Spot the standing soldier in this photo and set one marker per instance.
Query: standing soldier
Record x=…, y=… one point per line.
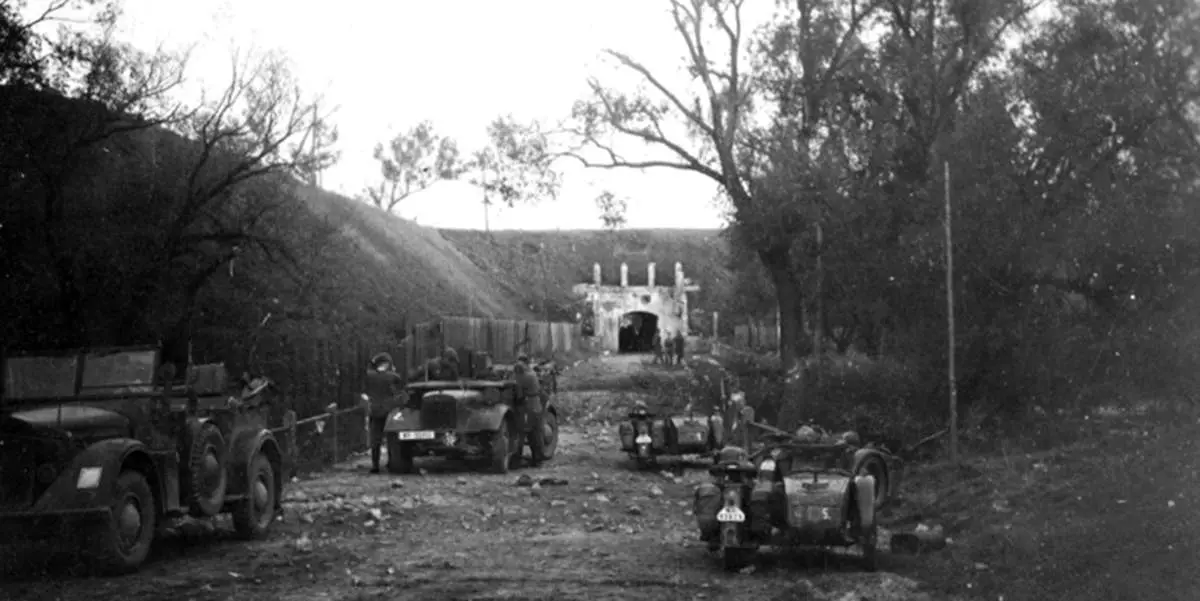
x=657, y=343
x=530, y=395
x=385, y=390
x=679, y=343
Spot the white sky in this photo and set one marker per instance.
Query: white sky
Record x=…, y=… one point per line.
x=390, y=64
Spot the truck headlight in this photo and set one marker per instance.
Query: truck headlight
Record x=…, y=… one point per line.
x=89, y=478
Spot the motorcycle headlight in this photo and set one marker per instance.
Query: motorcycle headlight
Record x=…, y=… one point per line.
x=768, y=465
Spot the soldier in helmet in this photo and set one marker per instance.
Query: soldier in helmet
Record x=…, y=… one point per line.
x=532, y=398
x=385, y=392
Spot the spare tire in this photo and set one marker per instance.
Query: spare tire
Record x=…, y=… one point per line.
x=206, y=478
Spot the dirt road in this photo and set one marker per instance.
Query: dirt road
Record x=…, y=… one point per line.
x=592, y=529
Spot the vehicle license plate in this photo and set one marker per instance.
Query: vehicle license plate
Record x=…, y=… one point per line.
x=731, y=514
x=421, y=435
x=642, y=439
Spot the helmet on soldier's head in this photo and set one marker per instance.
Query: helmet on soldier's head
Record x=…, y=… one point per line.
x=732, y=454
x=450, y=355
x=850, y=437
x=808, y=434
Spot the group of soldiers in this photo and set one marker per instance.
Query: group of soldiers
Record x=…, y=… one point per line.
x=385, y=391
x=668, y=349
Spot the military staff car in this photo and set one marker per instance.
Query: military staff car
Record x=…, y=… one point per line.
x=107, y=445
x=474, y=418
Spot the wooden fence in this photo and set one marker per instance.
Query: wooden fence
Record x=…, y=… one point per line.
x=503, y=339
x=319, y=381
x=756, y=334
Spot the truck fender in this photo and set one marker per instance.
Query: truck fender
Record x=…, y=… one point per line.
x=111, y=457
x=488, y=419
x=402, y=420
x=244, y=447
x=864, y=496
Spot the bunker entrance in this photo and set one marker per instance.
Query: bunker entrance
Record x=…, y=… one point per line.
x=637, y=332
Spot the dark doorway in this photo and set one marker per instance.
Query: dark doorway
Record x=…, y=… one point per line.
x=637, y=332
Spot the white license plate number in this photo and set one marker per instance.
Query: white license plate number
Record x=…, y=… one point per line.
x=731, y=514
x=642, y=439
x=422, y=435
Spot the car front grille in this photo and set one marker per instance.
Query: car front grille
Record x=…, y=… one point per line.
x=439, y=412
x=22, y=460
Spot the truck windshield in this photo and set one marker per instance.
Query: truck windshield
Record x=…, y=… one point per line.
x=39, y=377
x=121, y=368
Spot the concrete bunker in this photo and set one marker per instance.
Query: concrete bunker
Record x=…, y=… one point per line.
x=621, y=314
x=636, y=334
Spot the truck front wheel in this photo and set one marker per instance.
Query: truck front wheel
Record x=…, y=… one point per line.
x=123, y=543
x=252, y=516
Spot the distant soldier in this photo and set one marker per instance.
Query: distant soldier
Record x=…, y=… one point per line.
x=679, y=344
x=657, y=344
x=531, y=397
x=438, y=368
x=385, y=392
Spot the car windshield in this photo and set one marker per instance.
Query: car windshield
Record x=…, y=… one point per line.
x=120, y=368
x=39, y=377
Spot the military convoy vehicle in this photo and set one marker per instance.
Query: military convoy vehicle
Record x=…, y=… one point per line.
x=475, y=418
x=108, y=445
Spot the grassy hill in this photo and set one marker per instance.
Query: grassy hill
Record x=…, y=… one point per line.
x=352, y=272
x=526, y=263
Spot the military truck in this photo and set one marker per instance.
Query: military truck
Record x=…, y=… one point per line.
x=108, y=445
x=475, y=418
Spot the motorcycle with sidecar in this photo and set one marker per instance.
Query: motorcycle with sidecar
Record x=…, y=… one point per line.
x=645, y=436
x=793, y=492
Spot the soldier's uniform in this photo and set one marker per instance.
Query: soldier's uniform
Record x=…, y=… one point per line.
x=385, y=392
x=657, y=343
x=679, y=347
x=530, y=394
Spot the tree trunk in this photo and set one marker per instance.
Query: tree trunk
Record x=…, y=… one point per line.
x=790, y=298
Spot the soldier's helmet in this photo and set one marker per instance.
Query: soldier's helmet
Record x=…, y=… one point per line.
x=850, y=437
x=450, y=355
x=732, y=454
x=808, y=434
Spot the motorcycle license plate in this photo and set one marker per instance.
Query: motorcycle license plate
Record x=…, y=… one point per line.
x=731, y=514
x=642, y=439
x=419, y=435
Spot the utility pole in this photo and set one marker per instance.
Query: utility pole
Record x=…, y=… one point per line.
x=545, y=284
x=950, y=318
x=818, y=333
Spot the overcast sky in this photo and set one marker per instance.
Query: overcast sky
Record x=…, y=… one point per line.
x=390, y=64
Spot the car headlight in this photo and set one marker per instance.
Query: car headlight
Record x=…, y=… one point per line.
x=89, y=478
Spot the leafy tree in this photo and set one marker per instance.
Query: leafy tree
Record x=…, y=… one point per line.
x=412, y=162
x=612, y=210
x=516, y=166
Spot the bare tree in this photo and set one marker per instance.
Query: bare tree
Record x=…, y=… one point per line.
x=719, y=138
x=246, y=152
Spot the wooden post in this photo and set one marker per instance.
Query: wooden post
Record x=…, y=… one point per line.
x=950, y=319
x=289, y=441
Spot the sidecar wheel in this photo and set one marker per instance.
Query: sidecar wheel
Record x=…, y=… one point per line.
x=734, y=559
